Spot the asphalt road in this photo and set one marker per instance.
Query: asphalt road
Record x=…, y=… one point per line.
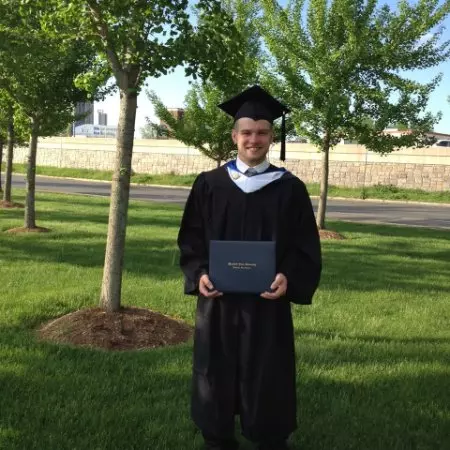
x=410, y=214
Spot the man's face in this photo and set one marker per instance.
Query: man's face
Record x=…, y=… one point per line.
x=253, y=139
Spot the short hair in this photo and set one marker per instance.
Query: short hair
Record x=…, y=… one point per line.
x=236, y=127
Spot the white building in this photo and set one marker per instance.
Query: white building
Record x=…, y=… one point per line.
x=433, y=134
x=442, y=139
x=100, y=131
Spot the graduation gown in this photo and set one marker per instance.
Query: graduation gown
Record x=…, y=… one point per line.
x=244, y=360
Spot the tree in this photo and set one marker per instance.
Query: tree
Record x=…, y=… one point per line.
x=2, y=143
x=203, y=125
x=38, y=72
x=136, y=40
x=12, y=132
x=154, y=131
x=10, y=135
x=340, y=66
x=5, y=118
x=3, y=128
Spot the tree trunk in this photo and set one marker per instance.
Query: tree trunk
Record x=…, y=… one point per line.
x=30, y=209
x=324, y=183
x=120, y=191
x=9, y=156
x=218, y=162
x=1, y=161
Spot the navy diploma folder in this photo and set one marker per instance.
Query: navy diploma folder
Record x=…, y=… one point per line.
x=242, y=266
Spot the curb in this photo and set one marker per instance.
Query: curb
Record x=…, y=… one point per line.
x=166, y=186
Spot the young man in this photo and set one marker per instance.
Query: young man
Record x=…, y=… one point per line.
x=244, y=359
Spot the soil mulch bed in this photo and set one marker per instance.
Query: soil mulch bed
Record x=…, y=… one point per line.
x=128, y=329
x=28, y=230
x=328, y=235
x=5, y=204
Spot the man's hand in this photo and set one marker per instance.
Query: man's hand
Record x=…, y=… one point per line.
x=279, y=288
x=206, y=288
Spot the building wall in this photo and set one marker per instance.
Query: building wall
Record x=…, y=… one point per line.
x=350, y=165
x=85, y=108
x=102, y=118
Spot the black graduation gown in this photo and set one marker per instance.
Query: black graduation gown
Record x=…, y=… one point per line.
x=244, y=361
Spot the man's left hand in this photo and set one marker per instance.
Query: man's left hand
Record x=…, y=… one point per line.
x=279, y=288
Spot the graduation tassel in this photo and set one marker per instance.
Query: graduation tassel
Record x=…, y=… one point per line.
x=283, y=138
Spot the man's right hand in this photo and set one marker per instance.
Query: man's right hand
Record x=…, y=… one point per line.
x=206, y=288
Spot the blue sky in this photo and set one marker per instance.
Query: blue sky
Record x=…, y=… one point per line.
x=173, y=87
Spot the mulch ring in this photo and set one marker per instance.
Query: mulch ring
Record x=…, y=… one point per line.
x=28, y=230
x=5, y=204
x=128, y=329
x=328, y=235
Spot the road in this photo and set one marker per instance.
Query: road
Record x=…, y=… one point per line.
x=409, y=214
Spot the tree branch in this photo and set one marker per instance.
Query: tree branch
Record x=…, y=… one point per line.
x=103, y=31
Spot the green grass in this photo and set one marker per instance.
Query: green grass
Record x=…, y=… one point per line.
x=373, y=351
x=384, y=192
x=380, y=192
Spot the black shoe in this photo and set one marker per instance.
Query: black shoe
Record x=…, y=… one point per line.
x=282, y=445
x=221, y=444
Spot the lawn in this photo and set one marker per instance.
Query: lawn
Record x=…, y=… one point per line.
x=380, y=192
x=373, y=350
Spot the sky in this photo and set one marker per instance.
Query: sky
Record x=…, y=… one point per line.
x=173, y=87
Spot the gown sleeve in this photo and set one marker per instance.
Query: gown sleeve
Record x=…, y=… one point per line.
x=191, y=238
x=302, y=261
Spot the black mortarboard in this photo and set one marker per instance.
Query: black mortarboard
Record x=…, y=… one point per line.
x=257, y=104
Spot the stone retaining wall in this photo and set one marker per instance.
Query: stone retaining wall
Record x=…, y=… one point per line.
x=356, y=174
x=351, y=166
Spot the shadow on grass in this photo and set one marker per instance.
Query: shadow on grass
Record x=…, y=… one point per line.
x=99, y=215
x=401, y=412
x=372, y=392
x=63, y=397
x=156, y=258
x=394, y=264
x=398, y=264
x=392, y=276
x=324, y=350
x=133, y=220
x=330, y=335
x=358, y=268
x=78, y=239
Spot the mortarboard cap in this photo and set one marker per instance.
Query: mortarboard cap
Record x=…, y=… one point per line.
x=257, y=104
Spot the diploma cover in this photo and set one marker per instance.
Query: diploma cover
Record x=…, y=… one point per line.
x=242, y=266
